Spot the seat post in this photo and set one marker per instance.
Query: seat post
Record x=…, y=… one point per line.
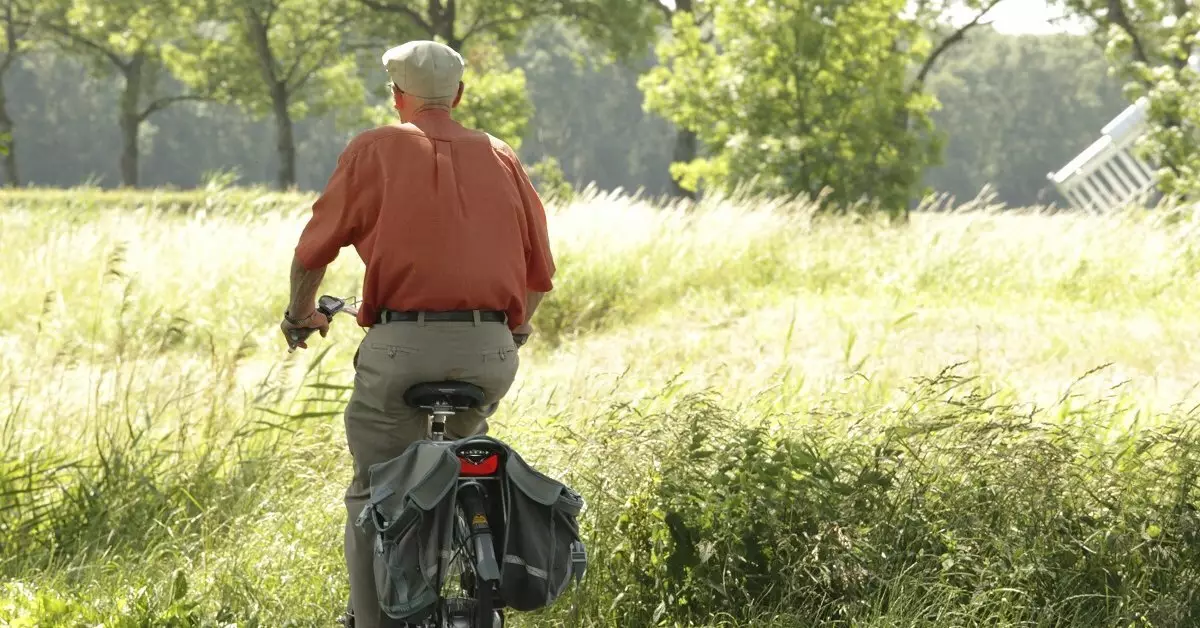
x=437, y=429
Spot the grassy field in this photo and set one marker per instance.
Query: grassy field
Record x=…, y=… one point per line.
x=978, y=418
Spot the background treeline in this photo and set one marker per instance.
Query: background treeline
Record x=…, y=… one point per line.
x=1012, y=109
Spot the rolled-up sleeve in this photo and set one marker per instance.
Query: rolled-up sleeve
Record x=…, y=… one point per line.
x=335, y=215
x=539, y=261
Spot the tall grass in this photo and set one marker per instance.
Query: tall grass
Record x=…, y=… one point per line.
x=757, y=403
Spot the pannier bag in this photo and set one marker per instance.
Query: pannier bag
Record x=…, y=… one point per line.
x=411, y=515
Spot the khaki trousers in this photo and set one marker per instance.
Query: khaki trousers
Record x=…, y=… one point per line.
x=379, y=425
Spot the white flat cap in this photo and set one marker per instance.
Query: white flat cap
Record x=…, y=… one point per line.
x=425, y=69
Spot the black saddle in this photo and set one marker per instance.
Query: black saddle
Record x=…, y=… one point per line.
x=458, y=395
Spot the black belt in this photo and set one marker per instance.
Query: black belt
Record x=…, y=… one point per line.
x=455, y=316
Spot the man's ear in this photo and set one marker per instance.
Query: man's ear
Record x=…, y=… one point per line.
x=397, y=97
x=458, y=96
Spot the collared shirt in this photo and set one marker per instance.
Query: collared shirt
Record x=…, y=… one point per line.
x=444, y=217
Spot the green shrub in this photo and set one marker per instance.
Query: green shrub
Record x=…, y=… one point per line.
x=952, y=506
x=550, y=181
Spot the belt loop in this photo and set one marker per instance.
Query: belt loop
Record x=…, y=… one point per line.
x=421, y=319
x=475, y=316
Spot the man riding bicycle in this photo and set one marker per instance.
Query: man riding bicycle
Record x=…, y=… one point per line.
x=453, y=236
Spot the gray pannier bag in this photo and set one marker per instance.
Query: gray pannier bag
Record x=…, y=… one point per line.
x=542, y=551
x=412, y=511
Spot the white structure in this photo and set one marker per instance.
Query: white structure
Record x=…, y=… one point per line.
x=1107, y=174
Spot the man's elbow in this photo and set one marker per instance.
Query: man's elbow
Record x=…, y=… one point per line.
x=308, y=261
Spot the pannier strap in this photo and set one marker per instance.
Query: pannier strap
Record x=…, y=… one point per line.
x=578, y=560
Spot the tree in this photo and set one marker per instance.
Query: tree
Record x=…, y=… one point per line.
x=124, y=37
x=625, y=27
x=284, y=58
x=929, y=14
x=483, y=30
x=1151, y=45
x=796, y=96
x=685, y=139
x=17, y=20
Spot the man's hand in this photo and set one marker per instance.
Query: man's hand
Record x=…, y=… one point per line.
x=316, y=320
x=302, y=310
x=521, y=333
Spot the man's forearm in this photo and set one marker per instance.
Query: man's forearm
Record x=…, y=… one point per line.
x=305, y=284
x=532, y=300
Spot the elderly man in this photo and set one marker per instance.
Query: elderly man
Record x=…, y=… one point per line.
x=453, y=236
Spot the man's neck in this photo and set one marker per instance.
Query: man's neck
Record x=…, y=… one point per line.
x=428, y=111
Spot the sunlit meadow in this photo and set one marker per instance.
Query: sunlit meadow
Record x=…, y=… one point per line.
x=975, y=417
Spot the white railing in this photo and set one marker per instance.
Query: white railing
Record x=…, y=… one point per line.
x=1106, y=174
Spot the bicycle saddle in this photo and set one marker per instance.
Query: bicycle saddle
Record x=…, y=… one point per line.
x=458, y=395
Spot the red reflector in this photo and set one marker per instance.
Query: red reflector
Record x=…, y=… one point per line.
x=487, y=466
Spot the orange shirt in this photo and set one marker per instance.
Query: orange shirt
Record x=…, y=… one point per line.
x=445, y=218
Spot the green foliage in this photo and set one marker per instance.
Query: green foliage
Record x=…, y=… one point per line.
x=495, y=99
x=621, y=27
x=1151, y=45
x=18, y=18
x=792, y=98
x=250, y=53
x=1171, y=84
x=122, y=37
x=125, y=39
x=548, y=179
x=967, y=507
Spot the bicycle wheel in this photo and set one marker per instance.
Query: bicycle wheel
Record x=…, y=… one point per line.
x=458, y=589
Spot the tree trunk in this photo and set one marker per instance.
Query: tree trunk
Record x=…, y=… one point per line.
x=6, y=128
x=685, y=140
x=131, y=120
x=285, y=140
x=685, y=151
x=440, y=18
x=12, y=40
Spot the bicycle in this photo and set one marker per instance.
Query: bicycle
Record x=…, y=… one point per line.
x=473, y=547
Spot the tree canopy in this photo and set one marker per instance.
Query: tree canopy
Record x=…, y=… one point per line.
x=789, y=96
x=1151, y=44
x=283, y=58
x=793, y=96
x=124, y=38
